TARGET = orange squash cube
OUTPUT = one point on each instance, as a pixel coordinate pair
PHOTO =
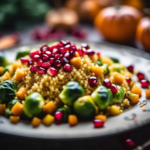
(48, 120)
(2, 109)
(6, 76)
(15, 65)
(136, 90)
(106, 60)
(76, 61)
(101, 117)
(147, 93)
(118, 78)
(14, 119)
(19, 75)
(21, 93)
(72, 120)
(77, 54)
(17, 109)
(36, 122)
(97, 70)
(1, 70)
(50, 107)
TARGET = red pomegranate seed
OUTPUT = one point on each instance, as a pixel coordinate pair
(48, 53)
(130, 68)
(73, 48)
(80, 51)
(57, 64)
(84, 50)
(55, 46)
(144, 83)
(50, 48)
(72, 54)
(43, 49)
(62, 50)
(52, 71)
(107, 83)
(98, 54)
(34, 69)
(64, 60)
(41, 71)
(61, 56)
(93, 81)
(63, 42)
(140, 76)
(58, 117)
(39, 62)
(68, 42)
(67, 67)
(23, 60)
(90, 52)
(33, 53)
(128, 80)
(67, 47)
(67, 55)
(114, 88)
(55, 51)
(36, 57)
(129, 143)
(45, 65)
(30, 62)
(98, 123)
(51, 60)
(84, 45)
(57, 56)
(45, 57)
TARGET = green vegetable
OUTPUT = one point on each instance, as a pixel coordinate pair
(119, 96)
(99, 63)
(115, 60)
(8, 113)
(3, 61)
(117, 67)
(7, 91)
(84, 107)
(102, 97)
(72, 91)
(106, 69)
(12, 103)
(33, 104)
(66, 112)
(5, 69)
(23, 51)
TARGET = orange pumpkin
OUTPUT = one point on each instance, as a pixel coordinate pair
(118, 24)
(143, 33)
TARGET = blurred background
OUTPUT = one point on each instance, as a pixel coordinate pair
(118, 21)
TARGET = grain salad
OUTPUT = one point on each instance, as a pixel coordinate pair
(64, 82)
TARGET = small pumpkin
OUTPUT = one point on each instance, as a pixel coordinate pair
(118, 24)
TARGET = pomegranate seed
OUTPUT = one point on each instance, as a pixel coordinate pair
(98, 123)
(57, 56)
(144, 83)
(67, 55)
(51, 60)
(107, 83)
(80, 51)
(140, 76)
(45, 57)
(73, 48)
(39, 62)
(57, 64)
(50, 48)
(114, 88)
(61, 55)
(93, 81)
(67, 67)
(33, 53)
(129, 143)
(99, 55)
(63, 42)
(90, 52)
(48, 53)
(41, 71)
(130, 68)
(84, 45)
(84, 50)
(52, 71)
(45, 65)
(68, 42)
(55, 51)
(67, 47)
(62, 50)
(72, 54)
(34, 68)
(64, 60)
(55, 46)
(23, 60)
(43, 49)
(58, 117)
(128, 80)
(36, 57)
(30, 62)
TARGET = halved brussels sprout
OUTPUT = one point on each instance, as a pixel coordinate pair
(106, 69)
(72, 91)
(85, 108)
(119, 96)
(8, 113)
(102, 97)
(115, 60)
(117, 67)
(33, 104)
(3, 61)
(99, 63)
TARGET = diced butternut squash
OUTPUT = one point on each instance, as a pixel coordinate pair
(48, 120)
(94, 58)
(17, 109)
(118, 78)
(19, 75)
(2, 109)
(15, 65)
(76, 61)
(106, 60)
(133, 97)
(1, 70)
(21, 93)
(6, 76)
(36, 122)
(136, 90)
(77, 54)
(14, 119)
(50, 107)
(72, 120)
(147, 93)
(97, 70)
(114, 110)
(101, 117)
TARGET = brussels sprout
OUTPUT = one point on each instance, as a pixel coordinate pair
(106, 69)
(66, 112)
(84, 107)
(72, 91)
(119, 96)
(12, 103)
(99, 63)
(117, 67)
(33, 104)
(115, 60)
(8, 113)
(23, 51)
(7, 91)
(103, 97)
(3, 61)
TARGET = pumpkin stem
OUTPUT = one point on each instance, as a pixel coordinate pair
(147, 12)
